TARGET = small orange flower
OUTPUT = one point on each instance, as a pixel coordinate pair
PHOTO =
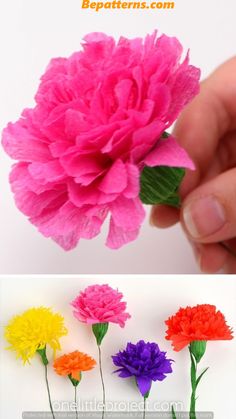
(73, 364)
(202, 322)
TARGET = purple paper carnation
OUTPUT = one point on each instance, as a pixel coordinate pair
(144, 361)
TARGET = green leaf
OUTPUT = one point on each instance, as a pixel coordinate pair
(100, 330)
(201, 375)
(160, 185)
(173, 412)
(193, 371)
(43, 355)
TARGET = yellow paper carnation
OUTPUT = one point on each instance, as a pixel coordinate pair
(33, 330)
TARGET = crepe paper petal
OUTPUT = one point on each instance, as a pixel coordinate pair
(169, 153)
(98, 120)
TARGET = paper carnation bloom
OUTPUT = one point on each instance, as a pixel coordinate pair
(202, 322)
(34, 330)
(144, 361)
(98, 120)
(100, 304)
(73, 364)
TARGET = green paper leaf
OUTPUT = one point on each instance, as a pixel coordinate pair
(173, 412)
(100, 330)
(73, 380)
(201, 375)
(43, 355)
(193, 371)
(160, 185)
(198, 349)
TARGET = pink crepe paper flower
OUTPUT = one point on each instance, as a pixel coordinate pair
(100, 304)
(98, 119)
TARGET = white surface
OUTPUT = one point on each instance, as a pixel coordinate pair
(22, 388)
(31, 32)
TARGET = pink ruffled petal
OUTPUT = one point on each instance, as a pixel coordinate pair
(20, 144)
(169, 153)
(133, 185)
(21, 180)
(32, 204)
(90, 195)
(145, 138)
(115, 181)
(47, 172)
(69, 224)
(127, 213)
(118, 237)
(184, 86)
(76, 164)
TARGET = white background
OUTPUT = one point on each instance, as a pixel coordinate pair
(31, 32)
(155, 299)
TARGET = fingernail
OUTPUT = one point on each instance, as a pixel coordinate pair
(204, 217)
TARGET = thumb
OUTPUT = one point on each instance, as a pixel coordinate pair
(208, 213)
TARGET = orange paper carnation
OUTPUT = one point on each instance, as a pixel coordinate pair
(202, 322)
(73, 364)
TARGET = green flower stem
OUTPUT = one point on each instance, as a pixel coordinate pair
(76, 410)
(43, 355)
(48, 390)
(173, 413)
(192, 413)
(100, 331)
(144, 407)
(197, 350)
(102, 381)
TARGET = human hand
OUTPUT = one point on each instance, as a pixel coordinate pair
(207, 130)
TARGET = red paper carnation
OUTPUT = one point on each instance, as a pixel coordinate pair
(202, 322)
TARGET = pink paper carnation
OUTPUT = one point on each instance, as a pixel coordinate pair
(98, 120)
(100, 304)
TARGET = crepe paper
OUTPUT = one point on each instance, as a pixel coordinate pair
(159, 185)
(194, 327)
(202, 322)
(160, 181)
(71, 365)
(145, 362)
(99, 305)
(100, 330)
(31, 332)
(99, 119)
